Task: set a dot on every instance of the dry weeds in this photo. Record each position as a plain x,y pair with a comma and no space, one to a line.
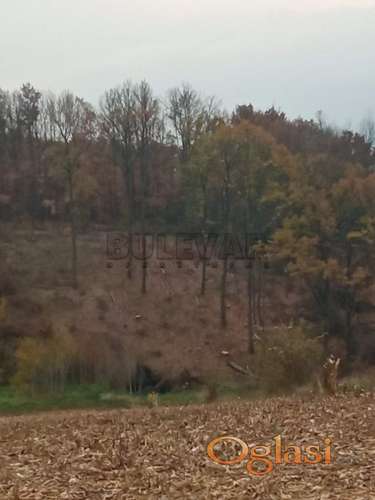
160,453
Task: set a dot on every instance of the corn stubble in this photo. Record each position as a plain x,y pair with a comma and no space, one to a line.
160,453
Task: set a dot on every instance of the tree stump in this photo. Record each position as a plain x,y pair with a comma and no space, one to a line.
330,371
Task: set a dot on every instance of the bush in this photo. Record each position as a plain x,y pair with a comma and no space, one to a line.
287,357
43,364
362,381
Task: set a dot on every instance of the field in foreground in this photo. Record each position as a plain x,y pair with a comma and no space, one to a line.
160,453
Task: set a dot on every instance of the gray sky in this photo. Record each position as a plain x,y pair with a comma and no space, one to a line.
300,55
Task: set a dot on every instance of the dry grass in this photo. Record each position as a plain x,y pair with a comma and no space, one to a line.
175,320
160,453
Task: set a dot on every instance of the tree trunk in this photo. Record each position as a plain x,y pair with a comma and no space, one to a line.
204,263
143,221
223,306
330,371
144,263
73,231
349,304
226,207
33,185
204,273
260,293
250,325
130,196
74,253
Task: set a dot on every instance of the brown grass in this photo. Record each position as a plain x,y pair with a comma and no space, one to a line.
175,320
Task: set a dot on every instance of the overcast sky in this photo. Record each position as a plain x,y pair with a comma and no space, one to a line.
299,55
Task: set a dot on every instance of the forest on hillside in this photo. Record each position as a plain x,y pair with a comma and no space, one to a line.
141,164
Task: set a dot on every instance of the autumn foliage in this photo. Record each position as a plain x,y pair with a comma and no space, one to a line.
141,164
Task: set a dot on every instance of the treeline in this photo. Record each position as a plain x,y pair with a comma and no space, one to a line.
181,163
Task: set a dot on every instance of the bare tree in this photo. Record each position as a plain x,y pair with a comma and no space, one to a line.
46,127
250,320
367,129
191,116
119,125
146,130
71,115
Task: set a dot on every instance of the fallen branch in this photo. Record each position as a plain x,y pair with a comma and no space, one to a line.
238,368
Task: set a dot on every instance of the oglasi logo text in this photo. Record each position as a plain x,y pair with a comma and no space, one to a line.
259,457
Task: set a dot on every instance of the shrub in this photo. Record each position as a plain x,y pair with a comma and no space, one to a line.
8,344
287,357
43,364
